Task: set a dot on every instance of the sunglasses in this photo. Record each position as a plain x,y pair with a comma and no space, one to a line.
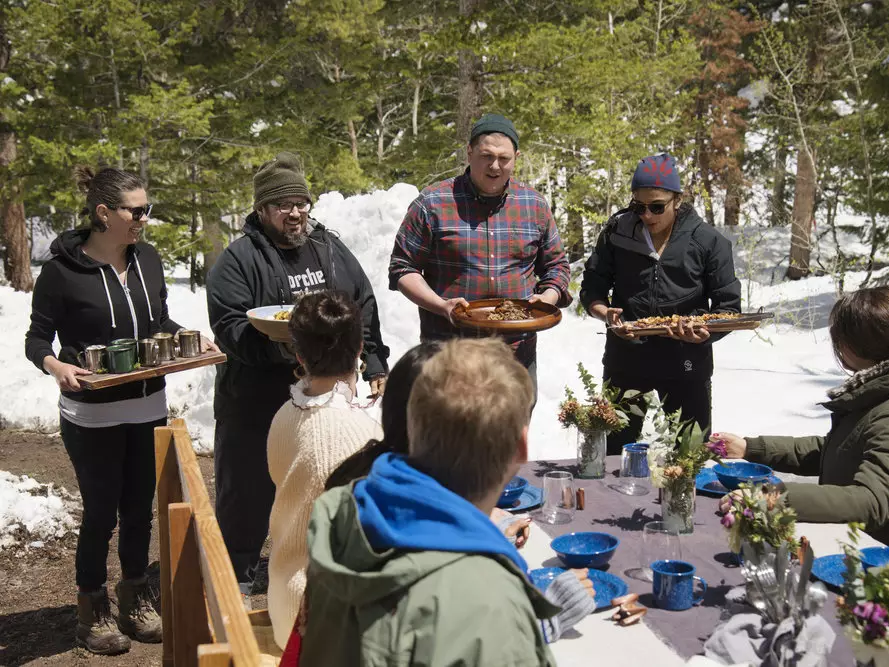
138,211
656,208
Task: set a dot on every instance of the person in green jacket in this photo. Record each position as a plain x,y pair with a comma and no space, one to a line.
405,566
852,460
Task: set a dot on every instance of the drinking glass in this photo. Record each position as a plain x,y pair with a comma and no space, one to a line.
558,497
634,476
659,542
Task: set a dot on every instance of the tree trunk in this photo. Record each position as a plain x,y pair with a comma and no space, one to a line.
213,233
13,228
143,161
353,138
734,190
803,210
778,217
706,184
469,84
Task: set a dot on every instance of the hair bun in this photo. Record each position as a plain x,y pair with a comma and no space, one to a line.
83,176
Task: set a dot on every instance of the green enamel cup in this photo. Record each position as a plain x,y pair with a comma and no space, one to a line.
131,342
121,358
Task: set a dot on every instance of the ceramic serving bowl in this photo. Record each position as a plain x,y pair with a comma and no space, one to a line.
586,549
733,474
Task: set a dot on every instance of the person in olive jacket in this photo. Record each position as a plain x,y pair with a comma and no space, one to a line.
657,257
852,460
282,254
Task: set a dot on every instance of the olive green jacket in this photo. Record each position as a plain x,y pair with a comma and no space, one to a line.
417,608
851,461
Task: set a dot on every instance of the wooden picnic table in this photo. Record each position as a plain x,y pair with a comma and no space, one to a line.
666,637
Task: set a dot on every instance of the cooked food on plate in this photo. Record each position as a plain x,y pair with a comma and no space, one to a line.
281,315
509,310
674,320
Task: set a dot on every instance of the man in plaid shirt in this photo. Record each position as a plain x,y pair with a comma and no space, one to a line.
480,235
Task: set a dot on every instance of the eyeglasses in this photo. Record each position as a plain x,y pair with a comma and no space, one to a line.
656,208
138,211
287,207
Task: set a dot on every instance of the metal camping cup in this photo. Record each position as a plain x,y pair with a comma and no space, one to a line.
164,346
149,352
121,358
92,358
189,344
129,342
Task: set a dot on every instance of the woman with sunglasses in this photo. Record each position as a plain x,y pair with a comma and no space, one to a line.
103,284
658,257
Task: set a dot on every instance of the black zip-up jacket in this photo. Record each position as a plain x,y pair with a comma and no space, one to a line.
85,303
694,275
249,274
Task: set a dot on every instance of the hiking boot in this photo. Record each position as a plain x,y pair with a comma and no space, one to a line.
136,616
96,630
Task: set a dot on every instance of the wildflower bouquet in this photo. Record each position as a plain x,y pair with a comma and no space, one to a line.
863,609
603,411
760,517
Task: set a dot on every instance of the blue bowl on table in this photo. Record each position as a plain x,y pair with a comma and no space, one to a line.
512,491
586,549
874,557
732,475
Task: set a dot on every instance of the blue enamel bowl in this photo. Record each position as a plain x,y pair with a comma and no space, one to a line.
875,557
585,549
512,491
731,475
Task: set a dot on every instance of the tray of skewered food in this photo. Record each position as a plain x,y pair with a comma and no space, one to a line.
512,316
661,325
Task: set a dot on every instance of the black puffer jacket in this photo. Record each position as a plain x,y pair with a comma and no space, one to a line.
249,274
695,275
86,304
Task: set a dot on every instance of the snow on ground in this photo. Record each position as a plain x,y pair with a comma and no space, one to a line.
33,511
765,381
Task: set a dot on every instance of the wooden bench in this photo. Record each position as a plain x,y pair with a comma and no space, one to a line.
204,620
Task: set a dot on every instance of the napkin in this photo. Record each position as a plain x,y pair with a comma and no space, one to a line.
748,637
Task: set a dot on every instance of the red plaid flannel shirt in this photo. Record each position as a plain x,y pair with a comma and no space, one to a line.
470,246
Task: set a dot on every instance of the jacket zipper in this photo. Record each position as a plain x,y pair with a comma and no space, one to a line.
126,292
652,302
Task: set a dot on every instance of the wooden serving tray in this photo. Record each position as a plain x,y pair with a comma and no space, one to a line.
475,316
746,322
102,380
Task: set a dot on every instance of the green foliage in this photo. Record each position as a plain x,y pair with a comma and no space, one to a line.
603,410
864,606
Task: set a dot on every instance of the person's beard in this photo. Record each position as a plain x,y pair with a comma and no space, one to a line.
296,238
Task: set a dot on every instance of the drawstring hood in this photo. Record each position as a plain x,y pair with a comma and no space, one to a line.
108,296
144,290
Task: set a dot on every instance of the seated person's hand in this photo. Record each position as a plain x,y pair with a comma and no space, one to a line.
583,576
574,593
687,333
516,528
735,445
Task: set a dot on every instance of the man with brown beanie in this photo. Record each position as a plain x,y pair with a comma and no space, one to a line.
283,253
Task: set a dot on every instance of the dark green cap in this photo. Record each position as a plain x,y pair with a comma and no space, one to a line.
280,178
494,122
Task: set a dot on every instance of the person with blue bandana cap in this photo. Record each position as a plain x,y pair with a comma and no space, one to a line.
657,257
407,560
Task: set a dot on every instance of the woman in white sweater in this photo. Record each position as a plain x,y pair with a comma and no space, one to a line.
310,436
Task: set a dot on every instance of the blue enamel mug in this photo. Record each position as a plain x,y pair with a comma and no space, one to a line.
673,583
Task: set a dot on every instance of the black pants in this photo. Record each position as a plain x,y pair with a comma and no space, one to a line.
115,472
691,395
244,490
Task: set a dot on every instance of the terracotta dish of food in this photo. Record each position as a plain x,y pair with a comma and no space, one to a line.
715,322
507,316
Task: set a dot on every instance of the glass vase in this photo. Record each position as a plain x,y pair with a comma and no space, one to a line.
678,505
591,447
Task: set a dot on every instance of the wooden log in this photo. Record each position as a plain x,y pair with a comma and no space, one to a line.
168,491
189,608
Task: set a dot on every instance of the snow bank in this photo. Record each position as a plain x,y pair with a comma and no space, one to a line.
32,513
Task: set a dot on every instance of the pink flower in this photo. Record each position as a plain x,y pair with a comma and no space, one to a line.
718,448
748,513
728,519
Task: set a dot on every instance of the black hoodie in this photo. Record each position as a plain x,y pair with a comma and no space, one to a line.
251,273
85,303
695,275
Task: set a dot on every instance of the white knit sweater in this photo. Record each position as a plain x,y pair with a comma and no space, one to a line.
309,437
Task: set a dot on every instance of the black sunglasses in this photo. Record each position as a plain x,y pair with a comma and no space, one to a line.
656,208
138,211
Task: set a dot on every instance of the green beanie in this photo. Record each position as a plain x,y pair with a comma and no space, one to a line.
494,122
280,178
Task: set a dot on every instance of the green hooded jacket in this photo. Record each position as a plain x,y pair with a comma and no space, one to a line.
851,461
420,608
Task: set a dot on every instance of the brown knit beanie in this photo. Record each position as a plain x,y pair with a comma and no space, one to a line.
279,178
